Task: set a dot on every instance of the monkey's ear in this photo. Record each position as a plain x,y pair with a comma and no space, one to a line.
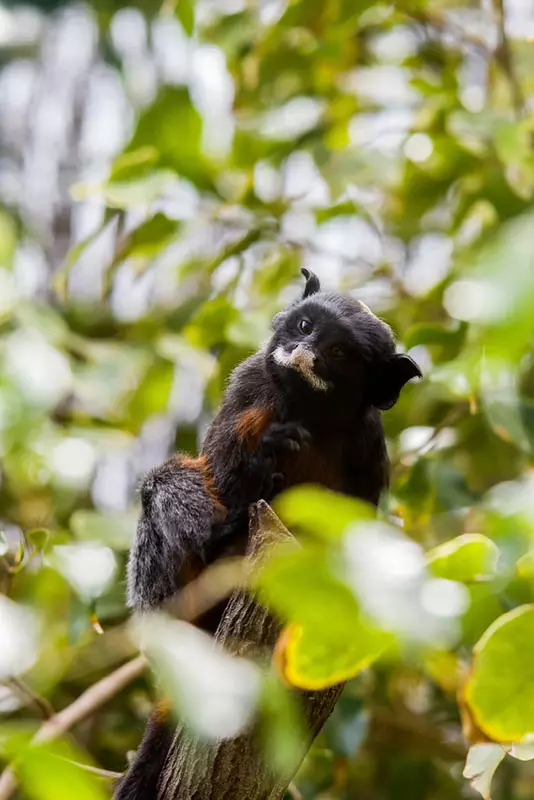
313,284
397,372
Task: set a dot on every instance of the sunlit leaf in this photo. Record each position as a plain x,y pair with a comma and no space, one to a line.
38,538
328,639
320,512
446,341
469,557
525,565
500,690
127,165
47,773
185,11
150,237
152,394
312,659
280,725
173,126
139,191
8,239
208,327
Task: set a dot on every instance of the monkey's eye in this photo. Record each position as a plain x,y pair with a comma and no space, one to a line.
337,352
305,326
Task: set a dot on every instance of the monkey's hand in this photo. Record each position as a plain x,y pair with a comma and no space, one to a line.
284,436
279,437
173,532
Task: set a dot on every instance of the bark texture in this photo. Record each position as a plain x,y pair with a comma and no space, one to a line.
233,769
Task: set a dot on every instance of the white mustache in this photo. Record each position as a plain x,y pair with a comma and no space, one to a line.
302,360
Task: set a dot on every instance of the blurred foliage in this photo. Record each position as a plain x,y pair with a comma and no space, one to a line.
389,147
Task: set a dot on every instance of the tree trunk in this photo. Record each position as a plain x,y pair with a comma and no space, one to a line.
234,769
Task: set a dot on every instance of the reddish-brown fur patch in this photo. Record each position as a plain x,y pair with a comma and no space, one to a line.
162,710
252,424
200,464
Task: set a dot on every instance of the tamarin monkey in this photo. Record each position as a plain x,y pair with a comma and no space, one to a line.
303,409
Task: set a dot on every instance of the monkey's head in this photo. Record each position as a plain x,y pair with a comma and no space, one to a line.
330,346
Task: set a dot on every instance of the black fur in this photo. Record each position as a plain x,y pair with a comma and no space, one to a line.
175,522
325,427
141,780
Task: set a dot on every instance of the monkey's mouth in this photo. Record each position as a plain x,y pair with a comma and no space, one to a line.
302,360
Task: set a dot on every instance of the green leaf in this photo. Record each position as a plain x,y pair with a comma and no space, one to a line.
525,565
139,191
38,537
448,341
209,326
280,726
301,585
150,237
47,773
152,395
236,247
8,239
61,277
469,557
174,127
328,640
128,165
320,512
500,689
314,660
249,330
185,11
503,277
116,530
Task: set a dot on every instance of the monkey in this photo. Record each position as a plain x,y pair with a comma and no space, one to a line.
305,408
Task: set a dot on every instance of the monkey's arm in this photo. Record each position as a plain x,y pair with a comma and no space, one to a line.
244,449
179,506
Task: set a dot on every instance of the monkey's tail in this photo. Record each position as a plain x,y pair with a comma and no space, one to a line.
142,777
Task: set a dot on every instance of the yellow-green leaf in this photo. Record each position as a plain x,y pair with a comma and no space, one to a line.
314,659
466,558
500,689
320,512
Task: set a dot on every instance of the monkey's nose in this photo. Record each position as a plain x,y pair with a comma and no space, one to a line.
303,356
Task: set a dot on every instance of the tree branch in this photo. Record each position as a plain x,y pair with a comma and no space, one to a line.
25,692
237,768
82,707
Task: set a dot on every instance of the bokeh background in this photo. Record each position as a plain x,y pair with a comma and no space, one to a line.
165,170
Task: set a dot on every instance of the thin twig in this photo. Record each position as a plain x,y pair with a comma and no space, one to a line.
444,25
25,692
101,773
92,699
505,58
293,792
